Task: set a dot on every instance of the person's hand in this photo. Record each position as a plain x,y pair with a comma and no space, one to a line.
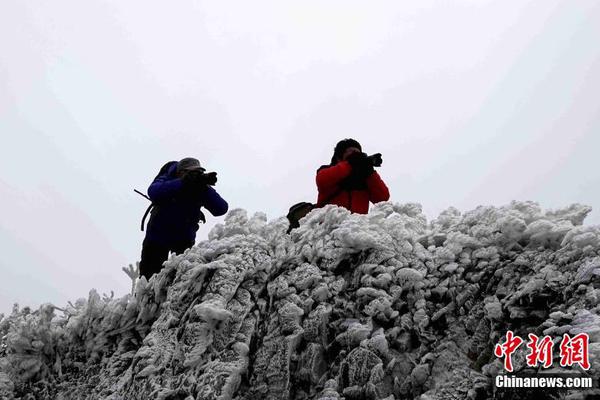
191,178
188,178
362,167
350,151
355,158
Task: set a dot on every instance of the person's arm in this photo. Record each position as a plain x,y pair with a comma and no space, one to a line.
329,177
164,186
214,203
378,191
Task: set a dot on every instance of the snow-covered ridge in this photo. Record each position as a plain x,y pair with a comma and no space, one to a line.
377,306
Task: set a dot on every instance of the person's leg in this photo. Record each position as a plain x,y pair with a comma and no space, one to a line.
179,248
153,256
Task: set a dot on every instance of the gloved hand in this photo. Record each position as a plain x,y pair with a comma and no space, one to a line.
198,180
191,178
362,166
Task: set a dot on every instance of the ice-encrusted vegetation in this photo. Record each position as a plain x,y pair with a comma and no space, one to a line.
379,306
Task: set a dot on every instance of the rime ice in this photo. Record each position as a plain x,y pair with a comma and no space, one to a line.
379,306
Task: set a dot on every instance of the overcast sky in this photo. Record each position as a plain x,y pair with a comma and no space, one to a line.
470,102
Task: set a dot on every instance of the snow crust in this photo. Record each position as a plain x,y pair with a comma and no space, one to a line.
379,306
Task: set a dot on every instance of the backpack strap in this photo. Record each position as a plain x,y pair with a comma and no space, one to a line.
147,209
163,170
150,207
141,194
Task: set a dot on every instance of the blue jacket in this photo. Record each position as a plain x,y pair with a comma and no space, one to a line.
176,213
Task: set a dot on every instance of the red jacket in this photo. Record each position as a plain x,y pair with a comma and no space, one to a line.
357,201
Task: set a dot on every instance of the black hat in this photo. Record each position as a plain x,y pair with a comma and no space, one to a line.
341,147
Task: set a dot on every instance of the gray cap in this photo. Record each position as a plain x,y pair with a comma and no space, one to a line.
188,164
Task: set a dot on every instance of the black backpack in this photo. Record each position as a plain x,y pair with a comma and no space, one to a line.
299,210
153,207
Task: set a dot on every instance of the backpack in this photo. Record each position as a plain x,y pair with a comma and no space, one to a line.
299,210
153,207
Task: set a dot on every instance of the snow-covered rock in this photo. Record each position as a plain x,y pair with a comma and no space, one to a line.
378,306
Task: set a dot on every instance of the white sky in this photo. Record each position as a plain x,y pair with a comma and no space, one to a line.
470,102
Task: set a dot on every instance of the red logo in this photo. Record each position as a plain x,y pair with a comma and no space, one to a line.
540,351
507,348
572,350
575,351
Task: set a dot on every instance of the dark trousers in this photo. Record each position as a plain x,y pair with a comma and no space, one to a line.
155,254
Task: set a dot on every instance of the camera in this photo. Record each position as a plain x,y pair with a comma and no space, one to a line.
375,159
199,177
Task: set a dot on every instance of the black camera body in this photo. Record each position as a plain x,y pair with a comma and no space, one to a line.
375,159
199,177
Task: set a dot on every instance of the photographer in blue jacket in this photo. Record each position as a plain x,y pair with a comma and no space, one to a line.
178,193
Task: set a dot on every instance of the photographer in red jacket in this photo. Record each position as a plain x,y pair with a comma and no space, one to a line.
350,180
